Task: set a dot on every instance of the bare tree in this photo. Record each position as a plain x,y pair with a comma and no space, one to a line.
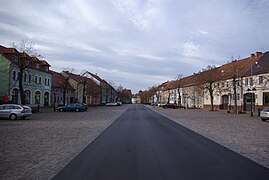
119,90
208,78
179,77
26,48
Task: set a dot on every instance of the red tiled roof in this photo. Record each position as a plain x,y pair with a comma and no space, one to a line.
14,56
44,63
7,50
58,80
76,77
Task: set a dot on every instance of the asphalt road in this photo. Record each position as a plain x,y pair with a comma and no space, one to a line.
142,144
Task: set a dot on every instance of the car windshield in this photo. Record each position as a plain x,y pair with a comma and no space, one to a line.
266,109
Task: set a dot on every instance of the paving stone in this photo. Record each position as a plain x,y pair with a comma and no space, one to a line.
246,135
38,148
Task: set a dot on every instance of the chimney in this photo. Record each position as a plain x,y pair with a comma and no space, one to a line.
252,55
258,54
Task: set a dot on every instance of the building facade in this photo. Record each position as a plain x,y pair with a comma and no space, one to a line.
36,78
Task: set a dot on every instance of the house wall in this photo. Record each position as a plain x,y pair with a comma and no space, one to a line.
4,76
30,86
57,96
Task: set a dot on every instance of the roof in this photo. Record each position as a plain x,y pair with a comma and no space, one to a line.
237,68
260,66
58,80
23,58
6,50
76,77
44,63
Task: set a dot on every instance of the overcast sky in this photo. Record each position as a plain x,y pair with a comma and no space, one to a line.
137,43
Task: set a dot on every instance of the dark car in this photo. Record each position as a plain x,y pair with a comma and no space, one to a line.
72,107
85,106
174,106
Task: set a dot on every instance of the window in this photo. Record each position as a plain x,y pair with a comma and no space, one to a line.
29,78
37,97
16,107
45,81
40,80
25,77
37,65
251,81
48,82
14,75
36,79
260,79
222,84
246,81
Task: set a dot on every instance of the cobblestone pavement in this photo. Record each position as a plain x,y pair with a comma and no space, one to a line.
40,147
248,136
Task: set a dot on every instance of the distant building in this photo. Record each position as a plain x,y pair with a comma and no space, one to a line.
136,99
61,89
87,90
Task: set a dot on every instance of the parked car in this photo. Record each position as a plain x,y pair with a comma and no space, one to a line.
265,114
14,111
174,106
160,104
85,106
72,107
119,103
111,104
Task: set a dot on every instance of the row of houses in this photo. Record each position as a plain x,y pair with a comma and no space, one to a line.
241,85
29,79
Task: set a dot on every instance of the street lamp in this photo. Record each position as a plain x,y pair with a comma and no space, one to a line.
251,90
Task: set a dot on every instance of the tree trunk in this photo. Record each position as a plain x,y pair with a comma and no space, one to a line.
211,90
21,86
235,95
83,93
179,97
168,97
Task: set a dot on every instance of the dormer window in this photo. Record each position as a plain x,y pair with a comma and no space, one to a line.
27,62
37,65
16,59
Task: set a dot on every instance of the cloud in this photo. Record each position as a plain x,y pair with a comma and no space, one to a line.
142,42
190,49
143,14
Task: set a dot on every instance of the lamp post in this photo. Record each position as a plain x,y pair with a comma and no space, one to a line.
251,90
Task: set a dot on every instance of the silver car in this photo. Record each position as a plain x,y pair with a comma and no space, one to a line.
265,114
14,111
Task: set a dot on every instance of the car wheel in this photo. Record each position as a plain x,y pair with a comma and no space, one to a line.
77,110
13,116
61,110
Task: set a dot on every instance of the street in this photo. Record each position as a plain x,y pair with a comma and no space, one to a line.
142,144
